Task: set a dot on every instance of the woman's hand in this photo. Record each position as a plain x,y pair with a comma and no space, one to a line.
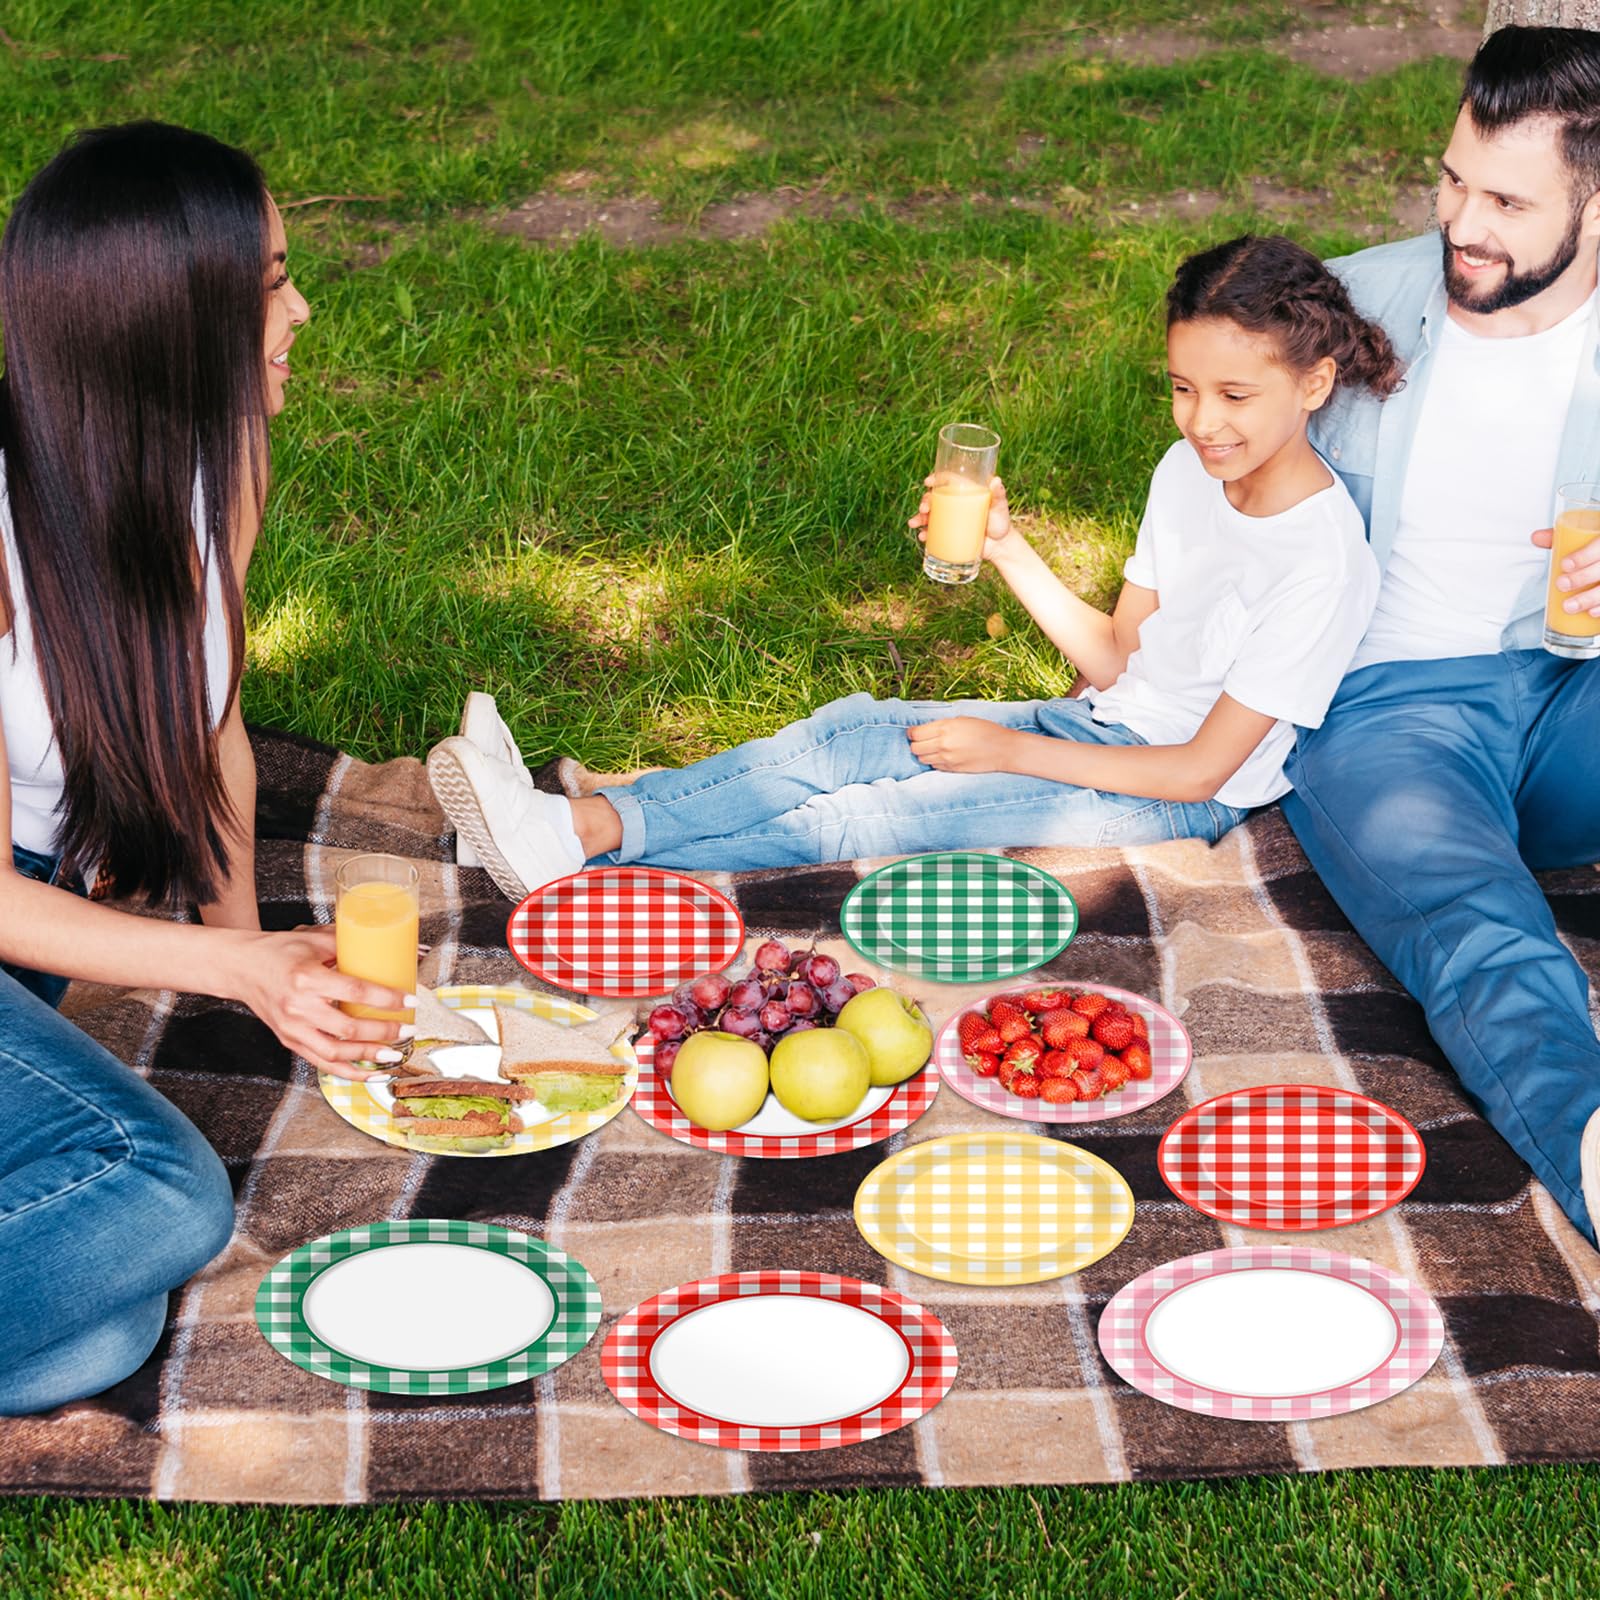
997,528
962,744
290,982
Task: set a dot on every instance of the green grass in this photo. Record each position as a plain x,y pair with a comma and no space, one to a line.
655,500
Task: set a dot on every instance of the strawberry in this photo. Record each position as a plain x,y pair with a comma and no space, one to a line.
1088,1083
1023,1053
1060,1026
970,1026
1058,1091
1136,1058
1141,1028
989,1039
1115,1072
1002,1011
1038,1000
985,1063
1090,1005
1014,1028
1085,1053
1026,1086
1055,1064
1114,1032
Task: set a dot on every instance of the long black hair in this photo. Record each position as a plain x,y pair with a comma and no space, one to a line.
132,300
1270,285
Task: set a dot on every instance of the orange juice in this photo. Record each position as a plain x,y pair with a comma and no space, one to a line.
375,931
1574,529
958,514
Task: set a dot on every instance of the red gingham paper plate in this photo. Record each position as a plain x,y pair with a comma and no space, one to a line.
1375,1332
1291,1156
624,931
905,1103
1170,1055
631,1361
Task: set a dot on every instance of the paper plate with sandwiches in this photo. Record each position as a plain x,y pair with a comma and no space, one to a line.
496,1071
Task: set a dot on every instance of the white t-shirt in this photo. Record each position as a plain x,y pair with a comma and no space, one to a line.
1480,479
37,779
1265,609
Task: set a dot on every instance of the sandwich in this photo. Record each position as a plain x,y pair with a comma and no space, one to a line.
437,1024
458,1116
564,1068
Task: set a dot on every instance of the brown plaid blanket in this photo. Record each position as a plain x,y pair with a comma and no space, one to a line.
1241,941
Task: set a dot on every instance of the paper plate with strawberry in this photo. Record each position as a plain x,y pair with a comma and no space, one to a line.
1066,1052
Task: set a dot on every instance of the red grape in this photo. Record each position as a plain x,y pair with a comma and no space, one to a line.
666,1053
745,1024
668,1022
775,1016
802,1024
802,999
710,992
773,957
859,981
747,995
838,994
819,971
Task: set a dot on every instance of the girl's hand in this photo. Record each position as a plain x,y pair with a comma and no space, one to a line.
1579,578
290,982
999,524
962,744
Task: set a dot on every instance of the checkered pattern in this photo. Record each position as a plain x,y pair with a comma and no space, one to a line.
355,1104
1291,1156
1170,1054
960,917
624,931
625,1362
1124,1345
282,1291
655,1104
994,1208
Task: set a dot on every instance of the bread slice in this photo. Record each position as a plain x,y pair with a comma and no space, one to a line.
567,1069
474,1124
437,1024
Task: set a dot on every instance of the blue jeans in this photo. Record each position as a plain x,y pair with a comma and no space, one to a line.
109,1198
1426,801
843,783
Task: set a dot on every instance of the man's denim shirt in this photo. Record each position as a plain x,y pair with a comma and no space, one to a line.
1368,443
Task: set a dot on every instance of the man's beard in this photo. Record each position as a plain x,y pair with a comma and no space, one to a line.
1515,287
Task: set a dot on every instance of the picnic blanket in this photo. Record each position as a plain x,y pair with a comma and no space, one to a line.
1241,941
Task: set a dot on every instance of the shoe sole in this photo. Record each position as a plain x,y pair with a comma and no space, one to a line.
1589,1169
452,788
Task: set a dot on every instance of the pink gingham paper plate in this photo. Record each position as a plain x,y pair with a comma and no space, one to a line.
1291,1156
1170,1055
878,1117
624,931
780,1389
1373,1333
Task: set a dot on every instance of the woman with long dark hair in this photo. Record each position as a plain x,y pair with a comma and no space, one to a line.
147,315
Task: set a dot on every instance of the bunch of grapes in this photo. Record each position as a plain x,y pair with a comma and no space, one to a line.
782,993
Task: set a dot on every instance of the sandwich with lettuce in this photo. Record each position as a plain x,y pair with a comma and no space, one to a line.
458,1116
564,1068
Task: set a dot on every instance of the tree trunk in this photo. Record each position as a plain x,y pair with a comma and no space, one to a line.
1542,14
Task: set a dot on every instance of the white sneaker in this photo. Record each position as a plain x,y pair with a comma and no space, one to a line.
482,723
523,838
1589,1163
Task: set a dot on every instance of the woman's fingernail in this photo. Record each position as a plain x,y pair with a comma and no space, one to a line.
408,1030
386,1054
408,1002
424,949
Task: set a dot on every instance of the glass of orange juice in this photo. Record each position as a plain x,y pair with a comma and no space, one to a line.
958,510
1574,634
375,928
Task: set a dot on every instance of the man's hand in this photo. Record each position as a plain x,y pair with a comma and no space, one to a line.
962,744
1579,579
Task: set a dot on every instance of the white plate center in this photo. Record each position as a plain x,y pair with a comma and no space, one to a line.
428,1306
779,1360
1272,1332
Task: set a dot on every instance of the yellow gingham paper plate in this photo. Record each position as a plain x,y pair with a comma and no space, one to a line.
356,1105
994,1208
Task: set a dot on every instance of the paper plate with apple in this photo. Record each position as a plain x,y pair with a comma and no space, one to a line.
1081,1052
823,1091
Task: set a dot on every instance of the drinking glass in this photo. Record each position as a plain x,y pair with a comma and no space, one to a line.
375,928
958,511
1574,634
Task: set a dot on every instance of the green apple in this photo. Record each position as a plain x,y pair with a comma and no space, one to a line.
820,1074
719,1080
897,1037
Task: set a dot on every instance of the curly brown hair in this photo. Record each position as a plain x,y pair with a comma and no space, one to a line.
1271,285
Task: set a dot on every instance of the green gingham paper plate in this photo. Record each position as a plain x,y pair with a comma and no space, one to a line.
564,1325
959,917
